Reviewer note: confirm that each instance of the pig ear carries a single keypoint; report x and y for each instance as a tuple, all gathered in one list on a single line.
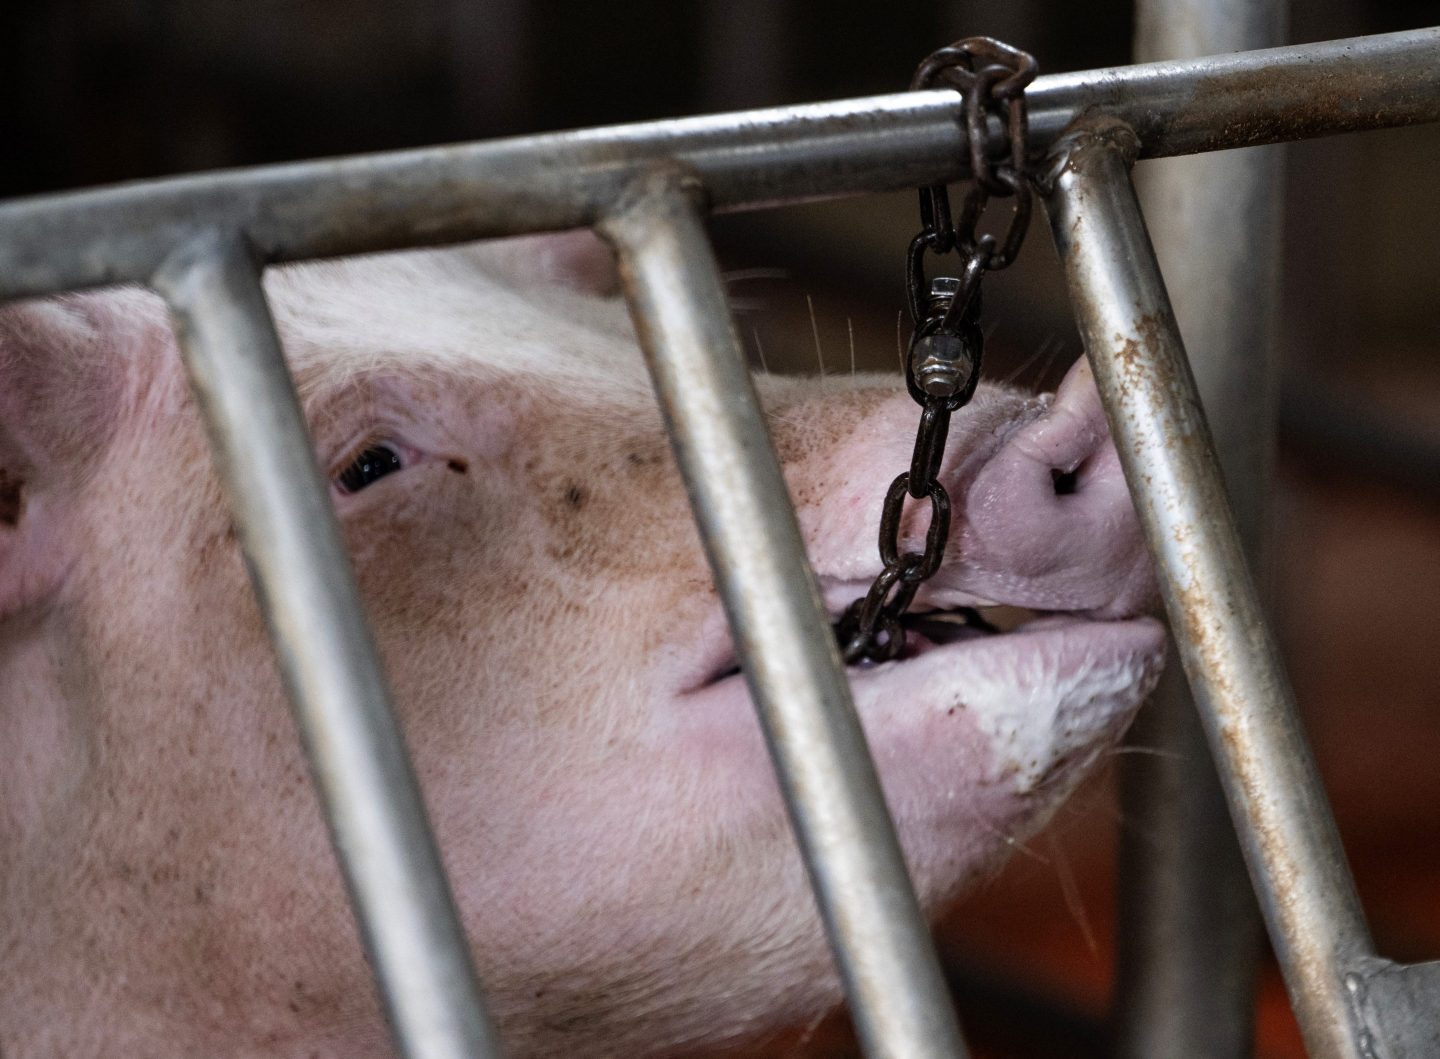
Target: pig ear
[(64, 363), (576, 260)]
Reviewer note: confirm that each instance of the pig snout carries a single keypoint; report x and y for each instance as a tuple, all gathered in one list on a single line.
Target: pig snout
[(1041, 514), (970, 724), (1047, 521)]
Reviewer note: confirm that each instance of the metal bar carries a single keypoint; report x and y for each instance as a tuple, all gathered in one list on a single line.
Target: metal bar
[(1188, 927), (747, 160), (781, 629), (302, 578), (1288, 834)]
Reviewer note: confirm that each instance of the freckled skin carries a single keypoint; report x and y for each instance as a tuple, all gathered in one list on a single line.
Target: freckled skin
[(605, 809)]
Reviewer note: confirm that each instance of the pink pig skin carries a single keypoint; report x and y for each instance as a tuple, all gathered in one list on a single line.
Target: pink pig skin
[(595, 777)]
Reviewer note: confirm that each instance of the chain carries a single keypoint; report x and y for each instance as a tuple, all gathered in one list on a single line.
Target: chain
[(947, 345)]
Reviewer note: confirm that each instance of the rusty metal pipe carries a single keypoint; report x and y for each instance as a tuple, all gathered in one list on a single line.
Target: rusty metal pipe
[(782, 631), (747, 160), (1187, 925), (1288, 835), (312, 610)]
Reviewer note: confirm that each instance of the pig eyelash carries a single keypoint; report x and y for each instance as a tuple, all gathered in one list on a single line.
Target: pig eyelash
[(371, 462)]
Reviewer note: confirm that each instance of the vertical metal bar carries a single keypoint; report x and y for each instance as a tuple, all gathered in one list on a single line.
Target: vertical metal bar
[(1288, 834), (782, 632), (312, 609), (1188, 927)]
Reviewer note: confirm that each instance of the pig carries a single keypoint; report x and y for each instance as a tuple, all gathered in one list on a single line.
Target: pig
[(562, 670)]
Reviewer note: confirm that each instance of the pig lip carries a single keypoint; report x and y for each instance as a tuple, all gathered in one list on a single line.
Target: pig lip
[(924, 631), (967, 628), (1096, 670)]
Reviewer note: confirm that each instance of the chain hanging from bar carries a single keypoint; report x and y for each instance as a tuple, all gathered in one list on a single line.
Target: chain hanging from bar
[(943, 364)]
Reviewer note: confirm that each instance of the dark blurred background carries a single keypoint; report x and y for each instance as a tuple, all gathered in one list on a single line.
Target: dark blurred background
[(104, 90)]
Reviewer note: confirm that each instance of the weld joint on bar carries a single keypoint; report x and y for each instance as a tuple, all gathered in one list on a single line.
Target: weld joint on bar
[(1357, 990), (1093, 130), (178, 271), (651, 185), (1392, 1007)]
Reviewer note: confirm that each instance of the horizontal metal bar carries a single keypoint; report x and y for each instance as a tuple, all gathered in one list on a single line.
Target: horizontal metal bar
[(327, 659), (1274, 790), (782, 631), (746, 160)]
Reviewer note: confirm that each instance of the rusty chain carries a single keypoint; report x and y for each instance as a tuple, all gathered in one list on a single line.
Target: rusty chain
[(943, 364)]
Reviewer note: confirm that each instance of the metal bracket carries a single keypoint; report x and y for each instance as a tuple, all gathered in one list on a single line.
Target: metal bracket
[(1398, 1008)]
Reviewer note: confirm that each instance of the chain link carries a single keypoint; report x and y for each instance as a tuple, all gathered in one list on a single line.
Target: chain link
[(947, 345)]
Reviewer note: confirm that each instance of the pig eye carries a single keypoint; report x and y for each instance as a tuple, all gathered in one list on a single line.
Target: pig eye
[(369, 466)]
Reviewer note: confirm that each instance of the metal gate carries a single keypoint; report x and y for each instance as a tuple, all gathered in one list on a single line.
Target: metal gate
[(202, 242)]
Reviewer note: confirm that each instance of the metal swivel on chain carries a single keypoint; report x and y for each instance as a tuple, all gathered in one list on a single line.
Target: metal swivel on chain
[(943, 365), (945, 350)]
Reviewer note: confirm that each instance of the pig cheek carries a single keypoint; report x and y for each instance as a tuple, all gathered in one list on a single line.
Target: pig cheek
[(616, 542), (486, 614), (197, 772), (523, 656), (504, 658), (527, 633), (840, 452), (627, 885)]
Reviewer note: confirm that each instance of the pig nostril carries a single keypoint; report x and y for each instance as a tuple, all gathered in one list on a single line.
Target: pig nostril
[(1065, 482)]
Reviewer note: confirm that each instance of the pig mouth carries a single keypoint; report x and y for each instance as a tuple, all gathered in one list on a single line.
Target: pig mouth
[(928, 629), (978, 623), (1035, 626), (1043, 691)]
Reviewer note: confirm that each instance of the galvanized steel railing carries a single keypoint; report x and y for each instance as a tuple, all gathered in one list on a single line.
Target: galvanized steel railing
[(202, 241), (1187, 933)]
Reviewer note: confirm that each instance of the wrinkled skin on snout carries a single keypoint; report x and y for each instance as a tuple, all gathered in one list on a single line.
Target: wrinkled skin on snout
[(560, 663)]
